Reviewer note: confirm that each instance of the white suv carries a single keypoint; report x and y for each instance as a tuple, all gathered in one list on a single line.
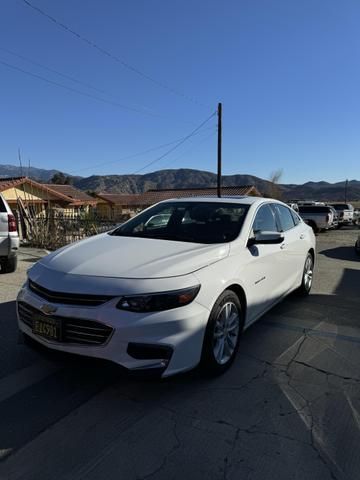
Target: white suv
[(9, 239)]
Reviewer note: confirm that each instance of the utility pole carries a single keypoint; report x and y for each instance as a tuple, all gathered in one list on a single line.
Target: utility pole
[(219, 114), (346, 188)]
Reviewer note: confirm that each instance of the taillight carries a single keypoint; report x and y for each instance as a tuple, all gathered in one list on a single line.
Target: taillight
[(12, 223)]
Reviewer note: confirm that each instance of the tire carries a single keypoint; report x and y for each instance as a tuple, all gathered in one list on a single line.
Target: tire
[(357, 247), (314, 227), (307, 277), (222, 338), (8, 265)]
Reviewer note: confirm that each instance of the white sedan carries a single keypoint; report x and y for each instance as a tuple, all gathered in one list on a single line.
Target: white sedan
[(169, 297)]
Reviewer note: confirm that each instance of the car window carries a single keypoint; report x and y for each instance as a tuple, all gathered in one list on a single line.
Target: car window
[(314, 209), (2, 206), (198, 222), (285, 217), (342, 206), (296, 217), (157, 221), (265, 220)]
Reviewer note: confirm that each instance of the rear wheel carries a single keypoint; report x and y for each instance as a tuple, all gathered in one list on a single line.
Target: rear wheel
[(307, 278), (313, 226), (357, 247), (8, 265), (222, 335)]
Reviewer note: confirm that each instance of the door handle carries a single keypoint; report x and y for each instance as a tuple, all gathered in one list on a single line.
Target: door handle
[(282, 246), (302, 236)]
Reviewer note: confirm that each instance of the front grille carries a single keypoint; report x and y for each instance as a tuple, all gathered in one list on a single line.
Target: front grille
[(25, 314), (68, 298), (73, 330)]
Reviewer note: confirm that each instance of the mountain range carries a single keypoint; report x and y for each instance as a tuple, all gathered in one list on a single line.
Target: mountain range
[(189, 178)]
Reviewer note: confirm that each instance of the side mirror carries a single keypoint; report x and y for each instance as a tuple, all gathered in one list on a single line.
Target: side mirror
[(265, 238)]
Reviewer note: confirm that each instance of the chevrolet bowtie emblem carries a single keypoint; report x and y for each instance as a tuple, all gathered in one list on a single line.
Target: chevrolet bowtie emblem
[(48, 309)]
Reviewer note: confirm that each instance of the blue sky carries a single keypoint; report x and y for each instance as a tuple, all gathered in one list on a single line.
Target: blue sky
[(287, 73)]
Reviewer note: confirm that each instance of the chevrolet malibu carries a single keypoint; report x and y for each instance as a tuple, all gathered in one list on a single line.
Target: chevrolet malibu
[(168, 296)]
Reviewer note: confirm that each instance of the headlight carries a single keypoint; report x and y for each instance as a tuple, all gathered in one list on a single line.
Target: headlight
[(156, 302)]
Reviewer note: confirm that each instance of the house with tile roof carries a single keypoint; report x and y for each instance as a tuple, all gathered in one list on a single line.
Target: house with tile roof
[(78, 197), (153, 196), (38, 198), (114, 205)]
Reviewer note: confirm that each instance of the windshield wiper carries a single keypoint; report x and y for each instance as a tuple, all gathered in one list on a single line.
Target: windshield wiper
[(175, 237), (132, 234), (158, 236)]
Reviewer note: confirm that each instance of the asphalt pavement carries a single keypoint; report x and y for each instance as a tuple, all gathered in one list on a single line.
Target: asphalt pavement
[(289, 408)]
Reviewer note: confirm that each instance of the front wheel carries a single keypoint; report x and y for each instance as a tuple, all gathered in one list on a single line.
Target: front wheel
[(307, 278), (222, 335)]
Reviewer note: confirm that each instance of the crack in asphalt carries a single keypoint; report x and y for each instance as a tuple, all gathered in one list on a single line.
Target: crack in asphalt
[(332, 349), (305, 409), (237, 387), (326, 372), (309, 415), (164, 461)]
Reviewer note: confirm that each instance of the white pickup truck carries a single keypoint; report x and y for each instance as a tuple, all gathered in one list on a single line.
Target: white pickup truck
[(318, 217), (345, 213), (356, 220), (9, 239)]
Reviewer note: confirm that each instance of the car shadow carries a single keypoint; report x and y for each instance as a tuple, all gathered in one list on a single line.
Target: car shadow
[(254, 400), (30, 260), (341, 253), (349, 285)]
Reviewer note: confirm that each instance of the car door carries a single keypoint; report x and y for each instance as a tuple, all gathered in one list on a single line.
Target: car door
[(263, 271), (293, 247)]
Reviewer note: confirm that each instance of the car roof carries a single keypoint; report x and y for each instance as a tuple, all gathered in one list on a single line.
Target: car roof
[(244, 200)]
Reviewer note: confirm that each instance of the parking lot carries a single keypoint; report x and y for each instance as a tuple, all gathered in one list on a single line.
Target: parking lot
[(289, 408)]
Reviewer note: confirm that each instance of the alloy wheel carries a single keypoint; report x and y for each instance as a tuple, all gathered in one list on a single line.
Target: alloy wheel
[(308, 273), (226, 333)]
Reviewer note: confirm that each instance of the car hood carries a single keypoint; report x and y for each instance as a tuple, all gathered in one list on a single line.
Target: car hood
[(132, 257)]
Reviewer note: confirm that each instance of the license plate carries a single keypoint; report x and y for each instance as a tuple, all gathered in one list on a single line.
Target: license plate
[(47, 327)]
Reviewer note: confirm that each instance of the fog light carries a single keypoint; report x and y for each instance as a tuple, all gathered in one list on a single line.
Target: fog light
[(145, 351)]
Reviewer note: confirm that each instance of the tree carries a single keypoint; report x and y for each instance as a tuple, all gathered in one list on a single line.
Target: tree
[(60, 178), (274, 189)]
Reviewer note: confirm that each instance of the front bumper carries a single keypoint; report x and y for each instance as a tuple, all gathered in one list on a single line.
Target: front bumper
[(177, 333), (345, 221)]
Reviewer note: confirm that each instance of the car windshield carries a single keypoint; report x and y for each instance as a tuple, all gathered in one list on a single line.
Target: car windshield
[(314, 209), (342, 206), (198, 222)]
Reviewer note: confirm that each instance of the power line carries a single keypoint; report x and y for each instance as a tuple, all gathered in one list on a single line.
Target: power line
[(134, 155), (80, 82), (79, 92), (176, 146), (194, 147), (112, 56), (64, 75)]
